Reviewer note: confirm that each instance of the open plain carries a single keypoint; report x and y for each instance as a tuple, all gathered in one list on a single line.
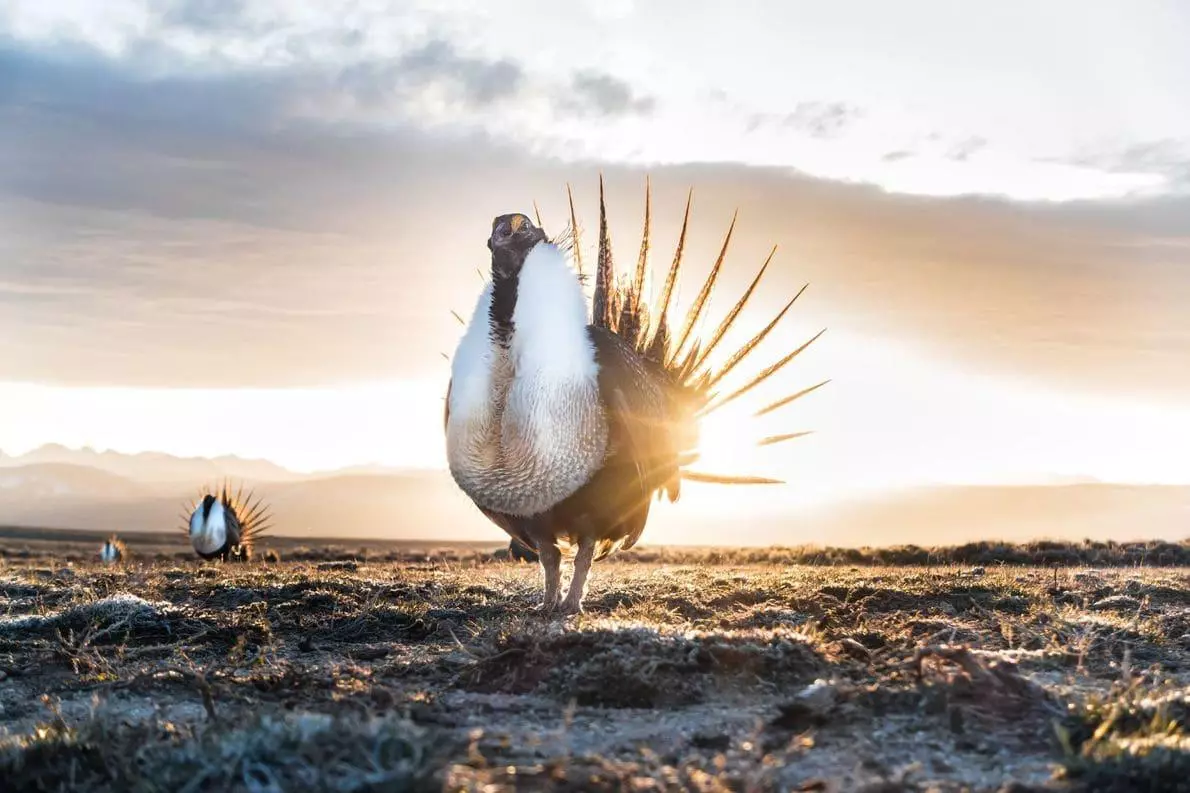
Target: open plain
[(425, 669)]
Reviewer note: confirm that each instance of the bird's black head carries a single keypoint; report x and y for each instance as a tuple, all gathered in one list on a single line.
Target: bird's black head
[(208, 501), (513, 236)]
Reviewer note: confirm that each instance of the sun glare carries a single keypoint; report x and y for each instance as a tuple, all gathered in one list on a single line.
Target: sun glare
[(727, 445)]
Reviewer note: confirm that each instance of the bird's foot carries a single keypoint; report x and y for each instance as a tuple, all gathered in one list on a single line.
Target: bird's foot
[(568, 607), (548, 607)]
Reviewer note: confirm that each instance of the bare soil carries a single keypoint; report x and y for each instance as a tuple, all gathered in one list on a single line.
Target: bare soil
[(432, 673)]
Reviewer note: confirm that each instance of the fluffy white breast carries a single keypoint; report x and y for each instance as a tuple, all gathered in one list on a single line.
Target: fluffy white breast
[(108, 554), (554, 389), (549, 339), (526, 428), (210, 535), (471, 367)]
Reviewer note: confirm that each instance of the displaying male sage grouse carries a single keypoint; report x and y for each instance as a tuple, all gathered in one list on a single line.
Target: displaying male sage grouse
[(561, 426), (225, 526), (112, 551)]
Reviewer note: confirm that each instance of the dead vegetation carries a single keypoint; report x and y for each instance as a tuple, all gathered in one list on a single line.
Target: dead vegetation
[(356, 674)]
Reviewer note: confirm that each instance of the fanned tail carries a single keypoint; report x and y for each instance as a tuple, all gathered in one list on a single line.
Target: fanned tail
[(620, 306), (254, 515)]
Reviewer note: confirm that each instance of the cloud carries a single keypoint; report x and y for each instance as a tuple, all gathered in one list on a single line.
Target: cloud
[(966, 147), (1169, 157), (385, 64), (823, 119), (477, 82), (207, 16), (607, 95), (205, 230), (814, 119)]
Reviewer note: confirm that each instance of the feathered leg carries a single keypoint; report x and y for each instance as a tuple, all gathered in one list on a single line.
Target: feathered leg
[(551, 568), (573, 604)]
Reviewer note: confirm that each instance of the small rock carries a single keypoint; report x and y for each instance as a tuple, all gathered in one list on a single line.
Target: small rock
[(820, 695), (854, 649), (1116, 603), (719, 742), (810, 706)]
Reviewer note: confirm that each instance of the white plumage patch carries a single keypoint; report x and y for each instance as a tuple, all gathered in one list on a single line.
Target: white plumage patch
[(109, 552), (549, 345), (471, 368), (553, 359), (549, 339), (526, 427), (210, 535)]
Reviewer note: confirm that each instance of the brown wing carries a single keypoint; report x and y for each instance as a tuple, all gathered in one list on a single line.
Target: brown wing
[(636, 395)]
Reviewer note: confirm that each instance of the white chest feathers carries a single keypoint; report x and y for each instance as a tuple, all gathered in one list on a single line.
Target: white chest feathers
[(526, 427), (209, 534), (109, 553)]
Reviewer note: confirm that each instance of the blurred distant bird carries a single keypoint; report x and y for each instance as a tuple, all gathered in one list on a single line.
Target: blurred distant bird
[(112, 551), (562, 424), (225, 526)]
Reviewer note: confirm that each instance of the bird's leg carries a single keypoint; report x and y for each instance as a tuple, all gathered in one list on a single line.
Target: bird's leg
[(551, 567), (573, 604)]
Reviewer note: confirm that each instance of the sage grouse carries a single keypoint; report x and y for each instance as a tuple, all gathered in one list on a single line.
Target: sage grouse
[(112, 551), (225, 526), (561, 424)]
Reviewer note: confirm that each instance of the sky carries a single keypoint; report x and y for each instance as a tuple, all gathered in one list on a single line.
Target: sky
[(240, 227)]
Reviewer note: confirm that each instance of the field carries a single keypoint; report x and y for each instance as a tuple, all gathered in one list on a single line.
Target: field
[(426, 670)]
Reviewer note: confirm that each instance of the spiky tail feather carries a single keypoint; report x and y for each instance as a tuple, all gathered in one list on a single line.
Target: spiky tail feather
[(254, 515), (620, 306)]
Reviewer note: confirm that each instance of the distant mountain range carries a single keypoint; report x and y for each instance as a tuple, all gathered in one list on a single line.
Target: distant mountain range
[(57, 487), (153, 466)]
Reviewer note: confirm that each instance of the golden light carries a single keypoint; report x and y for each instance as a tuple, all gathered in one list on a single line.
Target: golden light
[(727, 444)]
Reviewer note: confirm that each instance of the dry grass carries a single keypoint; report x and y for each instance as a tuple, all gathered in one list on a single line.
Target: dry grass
[(376, 675)]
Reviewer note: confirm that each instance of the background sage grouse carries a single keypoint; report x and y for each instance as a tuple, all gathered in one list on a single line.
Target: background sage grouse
[(226, 526), (563, 420), (112, 551)]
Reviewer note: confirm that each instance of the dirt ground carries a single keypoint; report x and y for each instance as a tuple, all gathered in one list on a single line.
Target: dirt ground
[(166, 674)]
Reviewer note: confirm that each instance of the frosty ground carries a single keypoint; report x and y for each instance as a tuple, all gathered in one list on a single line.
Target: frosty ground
[(430, 672)]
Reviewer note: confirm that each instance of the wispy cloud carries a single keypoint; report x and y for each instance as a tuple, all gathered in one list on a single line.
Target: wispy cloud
[(799, 88), (607, 95), (269, 188)]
